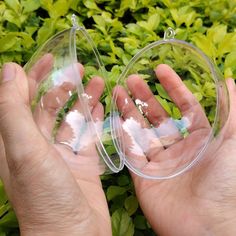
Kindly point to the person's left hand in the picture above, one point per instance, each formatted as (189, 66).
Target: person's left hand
(46, 195)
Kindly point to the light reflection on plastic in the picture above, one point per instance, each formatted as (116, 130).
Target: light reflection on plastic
(142, 139)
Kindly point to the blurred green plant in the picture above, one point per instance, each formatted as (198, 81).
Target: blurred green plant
(119, 29)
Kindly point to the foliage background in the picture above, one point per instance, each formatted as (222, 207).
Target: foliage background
(119, 29)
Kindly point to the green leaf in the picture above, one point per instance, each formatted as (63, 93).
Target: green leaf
(26, 39)
(14, 5)
(9, 220)
(140, 222)
(176, 114)
(46, 31)
(205, 44)
(217, 33)
(190, 18)
(10, 15)
(183, 15)
(122, 224)
(227, 44)
(164, 104)
(230, 60)
(60, 8)
(91, 5)
(123, 180)
(6, 43)
(161, 91)
(153, 22)
(46, 4)
(175, 16)
(30, 5)
(228, 73)
(230, 65)
(99, 20)
(131, 204)
(114, 191)
(30, 30)
(126, 4)
(3, 196)
(198, 96)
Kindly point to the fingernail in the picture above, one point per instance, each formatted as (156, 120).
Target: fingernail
(8, 72)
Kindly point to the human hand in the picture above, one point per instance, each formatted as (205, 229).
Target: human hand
(201, 201)
(49, 198)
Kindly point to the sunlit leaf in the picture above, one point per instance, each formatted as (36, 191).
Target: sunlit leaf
(122, 224)
(14, 5)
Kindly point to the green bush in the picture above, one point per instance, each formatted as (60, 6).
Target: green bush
(119, 29)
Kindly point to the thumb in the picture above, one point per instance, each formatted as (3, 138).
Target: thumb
(17, 126)
(231, 123)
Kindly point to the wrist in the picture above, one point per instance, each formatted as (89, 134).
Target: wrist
(50, 224)
(52, 230)
(57, 231)
(217, 221)
(225, 226)
(87, 227)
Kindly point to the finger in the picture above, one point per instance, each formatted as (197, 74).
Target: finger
(94, 90)
(92, 94)
(150, 106)
(16, 124)
(55, 101)
(129, 144)
(41, 68)
(165, 127)
(138, 137)
(38, 72)
(68, 75)
(232, 94)
(127, 107)
(176, 89)
(63, 87)
(98, 112)
(85, 133)
(75, 119)
(94, 130)
(181, 96)
(230, 128)
(86, 160)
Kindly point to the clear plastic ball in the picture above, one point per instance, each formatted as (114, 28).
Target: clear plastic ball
(172, 103)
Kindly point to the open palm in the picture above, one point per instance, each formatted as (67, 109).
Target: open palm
(201, 201)
(70, 195)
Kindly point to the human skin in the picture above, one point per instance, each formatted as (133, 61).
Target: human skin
(199, 202)
(202, 200)
(48, 198)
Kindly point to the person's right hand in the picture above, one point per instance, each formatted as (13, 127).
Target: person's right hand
(202, 200)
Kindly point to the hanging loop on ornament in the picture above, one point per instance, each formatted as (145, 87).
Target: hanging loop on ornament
(169, 34)
(74, 22)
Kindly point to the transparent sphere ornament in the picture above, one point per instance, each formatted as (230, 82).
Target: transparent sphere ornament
(162, 115)
(171, 102)
(67, 82)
